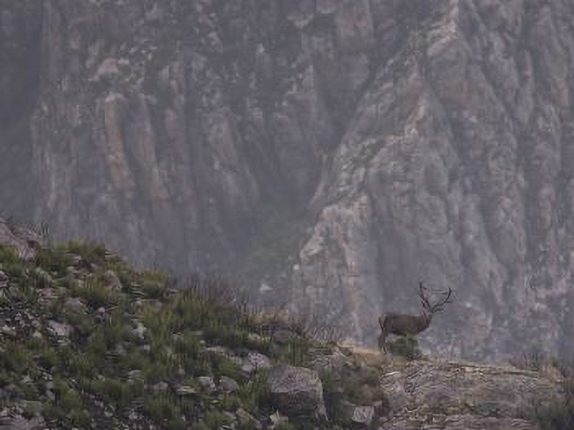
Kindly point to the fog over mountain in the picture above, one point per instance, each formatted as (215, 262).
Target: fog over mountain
(335, 152)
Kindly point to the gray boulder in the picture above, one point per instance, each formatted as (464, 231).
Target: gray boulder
(25, 241)
(297, 391)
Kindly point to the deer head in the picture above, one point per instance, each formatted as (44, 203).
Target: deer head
(427, 310)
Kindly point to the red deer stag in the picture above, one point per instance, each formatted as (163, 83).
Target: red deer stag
(402, 325)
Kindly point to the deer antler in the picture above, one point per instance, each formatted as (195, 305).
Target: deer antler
(424, 301)
(439, 307)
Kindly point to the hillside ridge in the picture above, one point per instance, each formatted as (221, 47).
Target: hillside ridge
(88, 342)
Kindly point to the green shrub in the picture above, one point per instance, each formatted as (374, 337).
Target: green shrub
(285, 425)
(52, 260)
(187, 345)
(48, 358)
(557, 414)
(97, 295)
(534, 359)
(199, 426)
(111, 390)
(298, 351)
(84, 364)
(405, 346)
(116, 329)
(333, 396)
(14, 357)
(9, 255)
(161, 406)
(216, 419)
(254, 393)
(71, 400)
(89, 251)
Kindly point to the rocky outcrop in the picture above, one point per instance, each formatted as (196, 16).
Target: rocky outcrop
(342, 149)
(24, 240)
(461, 395)
(296, 391)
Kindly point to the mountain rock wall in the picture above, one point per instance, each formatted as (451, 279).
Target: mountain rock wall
(405, 140)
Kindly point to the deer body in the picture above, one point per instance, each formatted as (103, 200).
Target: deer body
(403, 324)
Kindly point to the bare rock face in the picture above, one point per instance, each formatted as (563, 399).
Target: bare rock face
(20, 54)
(453, 169)
(405, 141)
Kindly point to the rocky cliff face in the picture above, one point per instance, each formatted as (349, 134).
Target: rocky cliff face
(346, 149)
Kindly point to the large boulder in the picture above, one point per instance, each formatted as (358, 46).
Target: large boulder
(297, 391)
(25, 241)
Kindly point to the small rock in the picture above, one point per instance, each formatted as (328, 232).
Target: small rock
(47, 294)
(258, 360)
(254, 337)
(75, 259)
(10, 331)
(282, 336)
(44, 279)
(160, 386)
(218, 350)
(100, 314)
(247, 369)
(133, 375)
(206, 383)
(140, 330)
(228, 385)
(277, 419)
(363, 414)
(3, 280)
(185, 390)
(246, 419)
(111, 280)
(59, 329)
(121, 350)
(75, 304)
(32, 407)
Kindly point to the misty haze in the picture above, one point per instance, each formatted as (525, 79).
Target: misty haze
(323, 156)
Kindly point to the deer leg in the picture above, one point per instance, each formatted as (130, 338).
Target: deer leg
(382, 339)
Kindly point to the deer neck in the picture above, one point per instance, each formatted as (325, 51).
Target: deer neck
(426, 319)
